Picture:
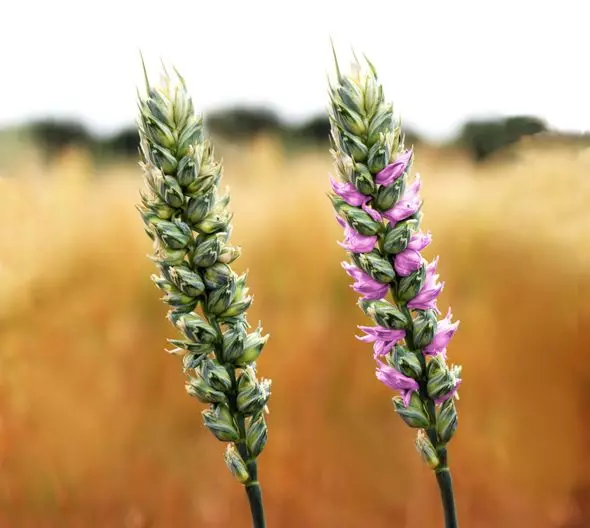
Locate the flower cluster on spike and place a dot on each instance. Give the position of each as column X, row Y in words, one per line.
column 379, row 209
column 190, row 227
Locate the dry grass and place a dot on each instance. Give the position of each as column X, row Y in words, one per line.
column 95, row 427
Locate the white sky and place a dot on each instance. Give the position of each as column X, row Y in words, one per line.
column 440, row 61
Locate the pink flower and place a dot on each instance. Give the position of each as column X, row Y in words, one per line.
column 354, row 241
column 407, row 206
column 384, row 338
column 426, row 298
column 348, row 192
column 369, row 288
column 410, row 260
column 397, row 381
column 394, row 170
column 374, row 214
column 444, row 332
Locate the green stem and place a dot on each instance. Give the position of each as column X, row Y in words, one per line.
column 254, row 493
column 253, row 489
column 445, row 483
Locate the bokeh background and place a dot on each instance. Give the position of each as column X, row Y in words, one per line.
column 95, row 427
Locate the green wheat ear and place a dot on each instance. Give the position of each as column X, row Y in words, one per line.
column 190, row 226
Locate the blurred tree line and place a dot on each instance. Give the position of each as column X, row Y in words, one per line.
column 480, row 138
column 486, row 137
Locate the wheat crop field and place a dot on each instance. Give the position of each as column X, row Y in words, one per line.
column 96, row 428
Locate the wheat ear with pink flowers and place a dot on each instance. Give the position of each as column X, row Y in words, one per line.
column 380, row 211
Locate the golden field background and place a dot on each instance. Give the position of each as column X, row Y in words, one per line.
column 96, row 429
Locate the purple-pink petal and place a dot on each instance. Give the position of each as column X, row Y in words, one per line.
column 427, row 296
column 354, row 241
column 366, row 286
column 384, row 339
column 373, row 213
column 402, row 210
column 407, row 206
column 419, row 241
column 373, row 333
column 431, row 275
column 426, row 299
column 352, row 271
column 397, row 381
column 414, row 189
column 370, row 292
column 348, row 192
column 394, row 170
column 382, row 348
column 444, row 332
column 407, row 262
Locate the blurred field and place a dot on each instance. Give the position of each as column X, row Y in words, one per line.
column 96, row 429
